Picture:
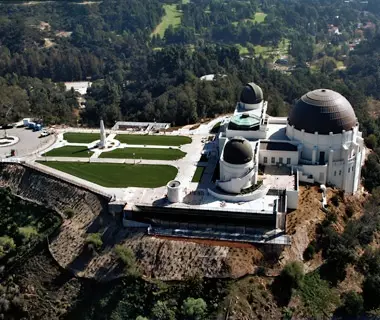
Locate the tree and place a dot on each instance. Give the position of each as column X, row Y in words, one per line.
column 194, row 309
column 371, row 291
column 352, row 305
column 292, row 274
column 162, row 311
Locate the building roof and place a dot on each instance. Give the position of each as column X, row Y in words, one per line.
column 279, row 146
column 322, row 111
column 251, row 94
column 237, row 151
column 244, row 121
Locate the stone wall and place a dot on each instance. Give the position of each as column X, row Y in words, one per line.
column 50, row 191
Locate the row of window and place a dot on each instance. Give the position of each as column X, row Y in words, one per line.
column 280, row 160
column 340, row 171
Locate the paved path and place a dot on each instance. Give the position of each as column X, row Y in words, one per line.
column 186, row 166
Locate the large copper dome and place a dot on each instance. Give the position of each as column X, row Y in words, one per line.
column 237, row 151
column 322, row 111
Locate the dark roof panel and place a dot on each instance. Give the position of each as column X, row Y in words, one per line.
column 251, row 94
column 237, row 151
column 279, row 146
column 322, row 111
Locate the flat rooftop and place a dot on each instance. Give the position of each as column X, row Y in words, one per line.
column 278, row 178
column 276, row 131
column 200, row 199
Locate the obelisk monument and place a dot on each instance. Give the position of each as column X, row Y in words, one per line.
column 102, row 142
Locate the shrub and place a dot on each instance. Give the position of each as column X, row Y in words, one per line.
column 317, row 297
column 371, row 291
column 141, row 318
column 335, row 200
column 353, row 304
column 127, row 257
column 350, row 210
column 162, row 311
column 292, row 274
column 309, row 251
column 28, row 233
column 69, row 213
column 94, row 240
column 194, row 309
column 6, row 244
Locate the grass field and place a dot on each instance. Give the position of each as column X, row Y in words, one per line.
column 172, row 17
column 258, row 17
column 198, row 174
column 114, row 175
column 153, row 140
column 80, row 137
column 266, row 51
column 145, row 153
column 69, row 151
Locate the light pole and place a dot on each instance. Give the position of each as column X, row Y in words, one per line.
column 5, row 127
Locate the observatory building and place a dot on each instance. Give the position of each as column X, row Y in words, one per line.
column 255, row 167
column 320, row 139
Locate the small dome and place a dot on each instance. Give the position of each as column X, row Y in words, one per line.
column 237, row 151
column 251, row 94
column 322, row 111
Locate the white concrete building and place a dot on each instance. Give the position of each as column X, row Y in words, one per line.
column 320, row 140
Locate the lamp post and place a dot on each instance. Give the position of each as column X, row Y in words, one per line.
column 5, row 127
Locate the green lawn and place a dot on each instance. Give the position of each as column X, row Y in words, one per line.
column 116, row 175
column 80, row 137
column 69, row 151
column 172, row 17
column 153, row 140
column 198, row 174
column 145, row 153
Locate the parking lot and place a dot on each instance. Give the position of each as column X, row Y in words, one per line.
column 29, row 142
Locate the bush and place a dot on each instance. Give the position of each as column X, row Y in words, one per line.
column 194, row 309
column 28, row 233
column 371, row 291
column 309, row 251
column 127, row 257
column 317, row 297
column 6, row 244
column 69, row 213
column 94, row 240
column 350, row 211
column 353, row 304
column 162, row 311
column 335, row 200
column 292, row 275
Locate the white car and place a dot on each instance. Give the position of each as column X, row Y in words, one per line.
column 44, row 133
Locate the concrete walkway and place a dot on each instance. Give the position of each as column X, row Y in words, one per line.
column 186, row 166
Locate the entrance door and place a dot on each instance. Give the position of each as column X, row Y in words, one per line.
column 322, row 157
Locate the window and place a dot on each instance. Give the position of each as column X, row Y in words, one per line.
column 349, row 169
column 265, row 159
column 340, row 172
column 273, row 160
column 335, row 173
column 280, row 160
column 288, row 160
